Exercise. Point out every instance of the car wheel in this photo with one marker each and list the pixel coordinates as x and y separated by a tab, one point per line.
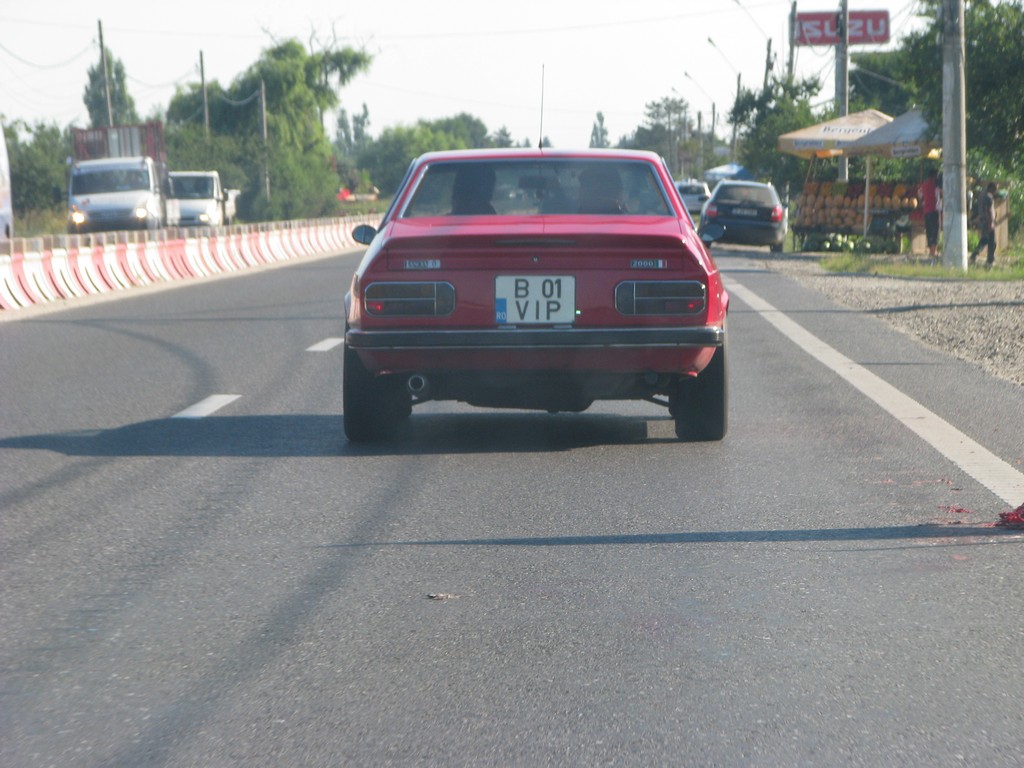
775	247
700	406
373	405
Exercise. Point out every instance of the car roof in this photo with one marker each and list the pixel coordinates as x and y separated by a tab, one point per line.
526	153
743	183
121	162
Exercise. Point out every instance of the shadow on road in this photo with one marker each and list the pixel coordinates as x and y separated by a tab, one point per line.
298	435
877	533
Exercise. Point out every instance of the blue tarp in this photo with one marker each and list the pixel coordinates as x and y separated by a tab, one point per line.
728	171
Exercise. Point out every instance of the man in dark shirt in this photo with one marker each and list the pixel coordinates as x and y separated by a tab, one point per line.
987	225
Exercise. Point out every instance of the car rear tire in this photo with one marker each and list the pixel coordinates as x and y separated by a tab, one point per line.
775	247
373	405
700	406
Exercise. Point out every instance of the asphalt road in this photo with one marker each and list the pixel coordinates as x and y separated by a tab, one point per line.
824	587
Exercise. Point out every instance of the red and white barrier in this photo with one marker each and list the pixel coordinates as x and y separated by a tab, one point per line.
61	268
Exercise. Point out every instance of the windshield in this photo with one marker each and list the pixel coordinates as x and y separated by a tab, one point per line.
537	187
739	194
193	187
109	180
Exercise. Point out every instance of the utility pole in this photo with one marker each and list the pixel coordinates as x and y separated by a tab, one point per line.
768	65
206	103
954	137
734	126
843	77
714	123
266	146
791	64
106	75
700	157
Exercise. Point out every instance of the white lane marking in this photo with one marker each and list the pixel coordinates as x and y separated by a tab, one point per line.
988	469
325	346
206	406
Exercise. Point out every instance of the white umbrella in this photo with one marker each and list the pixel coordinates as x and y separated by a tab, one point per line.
909	135
829	139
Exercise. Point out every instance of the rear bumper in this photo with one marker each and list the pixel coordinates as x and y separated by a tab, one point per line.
745	232
536	339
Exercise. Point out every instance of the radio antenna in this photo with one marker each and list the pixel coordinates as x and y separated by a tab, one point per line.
540	141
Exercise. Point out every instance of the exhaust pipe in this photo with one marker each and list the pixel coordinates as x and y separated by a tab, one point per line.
418	386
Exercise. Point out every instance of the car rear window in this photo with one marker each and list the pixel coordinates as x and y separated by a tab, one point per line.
743	194
538	187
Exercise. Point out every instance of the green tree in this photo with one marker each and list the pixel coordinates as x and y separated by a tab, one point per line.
502	138
387	158
994	76
599	133
884	80
38	175
122	106
190	149
667	127
300	87
762	117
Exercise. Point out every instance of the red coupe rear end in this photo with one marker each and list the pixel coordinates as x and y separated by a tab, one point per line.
535	279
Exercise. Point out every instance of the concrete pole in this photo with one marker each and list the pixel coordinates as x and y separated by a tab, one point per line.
792	43
954	137
734	126
266	145
106	76
843	77
700	133
206	101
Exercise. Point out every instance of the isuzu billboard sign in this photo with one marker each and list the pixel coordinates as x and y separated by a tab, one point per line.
822	28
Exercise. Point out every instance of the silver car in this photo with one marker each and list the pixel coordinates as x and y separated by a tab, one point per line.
695	194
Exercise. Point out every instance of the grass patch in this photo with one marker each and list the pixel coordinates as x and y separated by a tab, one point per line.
1010	266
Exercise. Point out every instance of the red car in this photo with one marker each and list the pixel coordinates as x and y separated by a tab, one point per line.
538	279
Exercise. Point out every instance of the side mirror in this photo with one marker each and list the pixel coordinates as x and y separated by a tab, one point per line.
364	234
712	232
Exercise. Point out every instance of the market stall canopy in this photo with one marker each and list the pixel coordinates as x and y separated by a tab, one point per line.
909	135
828	139
727	171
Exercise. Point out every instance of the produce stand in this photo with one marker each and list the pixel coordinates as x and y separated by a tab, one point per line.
887	215
907	136
885	212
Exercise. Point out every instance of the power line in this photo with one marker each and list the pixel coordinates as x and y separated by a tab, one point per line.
28	63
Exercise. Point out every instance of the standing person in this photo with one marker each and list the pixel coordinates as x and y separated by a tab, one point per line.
930	205
987	225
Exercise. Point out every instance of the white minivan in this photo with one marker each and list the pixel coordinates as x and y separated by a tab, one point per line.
200	198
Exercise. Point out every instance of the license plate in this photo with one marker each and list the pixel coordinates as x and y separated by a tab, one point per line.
745	211
534	299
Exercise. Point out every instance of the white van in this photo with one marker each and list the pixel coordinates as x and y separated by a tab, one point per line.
200	198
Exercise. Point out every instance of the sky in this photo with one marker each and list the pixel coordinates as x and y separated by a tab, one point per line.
535	67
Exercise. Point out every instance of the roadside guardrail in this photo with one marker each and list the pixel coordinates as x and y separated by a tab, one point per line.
55	268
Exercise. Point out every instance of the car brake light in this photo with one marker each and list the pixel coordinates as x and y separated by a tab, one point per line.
398	299
660	297
777	213
711	210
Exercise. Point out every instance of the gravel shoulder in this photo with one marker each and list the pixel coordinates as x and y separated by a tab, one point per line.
980	322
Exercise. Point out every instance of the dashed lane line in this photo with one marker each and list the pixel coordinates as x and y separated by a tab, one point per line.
984	466
325	346
206	406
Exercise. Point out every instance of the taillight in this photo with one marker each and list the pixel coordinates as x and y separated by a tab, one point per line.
711	210
660	297
397	299
777	213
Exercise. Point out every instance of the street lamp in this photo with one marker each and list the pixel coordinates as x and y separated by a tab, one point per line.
712	43
724	57
700	126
